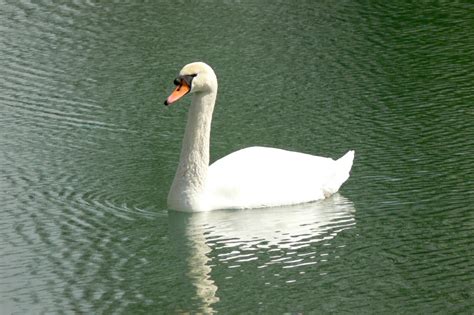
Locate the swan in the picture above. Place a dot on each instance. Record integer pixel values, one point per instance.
(253, 177)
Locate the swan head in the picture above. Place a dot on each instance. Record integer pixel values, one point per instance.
(195, 77)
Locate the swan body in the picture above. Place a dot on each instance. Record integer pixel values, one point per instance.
(253, 177)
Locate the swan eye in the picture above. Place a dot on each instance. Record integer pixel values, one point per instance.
(187, 78)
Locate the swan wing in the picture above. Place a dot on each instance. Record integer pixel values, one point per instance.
(262, 177)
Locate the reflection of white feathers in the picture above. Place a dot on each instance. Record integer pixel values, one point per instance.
(287, 228)
(199, 272)
(284, 227)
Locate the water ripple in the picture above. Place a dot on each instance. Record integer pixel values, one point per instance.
(86, 157)
(286, 238)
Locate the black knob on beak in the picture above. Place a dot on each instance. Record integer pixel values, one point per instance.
(177, 81)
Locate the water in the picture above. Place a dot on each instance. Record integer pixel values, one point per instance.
(88, 152)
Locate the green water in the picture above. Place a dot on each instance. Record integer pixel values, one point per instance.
(88, 152)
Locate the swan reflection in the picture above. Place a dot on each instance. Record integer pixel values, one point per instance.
(239, 234)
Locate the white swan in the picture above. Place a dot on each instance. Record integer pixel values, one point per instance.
(254, 177)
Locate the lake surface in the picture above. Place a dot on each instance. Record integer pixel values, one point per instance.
(88, 152)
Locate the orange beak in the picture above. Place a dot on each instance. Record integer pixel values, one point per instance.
(180, 91)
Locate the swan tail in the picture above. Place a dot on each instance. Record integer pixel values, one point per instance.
(346, 161)
(341, 173)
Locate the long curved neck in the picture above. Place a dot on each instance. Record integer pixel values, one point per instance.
(194, 158)
(190, 179)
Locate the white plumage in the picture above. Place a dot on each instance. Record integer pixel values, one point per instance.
(264, 177)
